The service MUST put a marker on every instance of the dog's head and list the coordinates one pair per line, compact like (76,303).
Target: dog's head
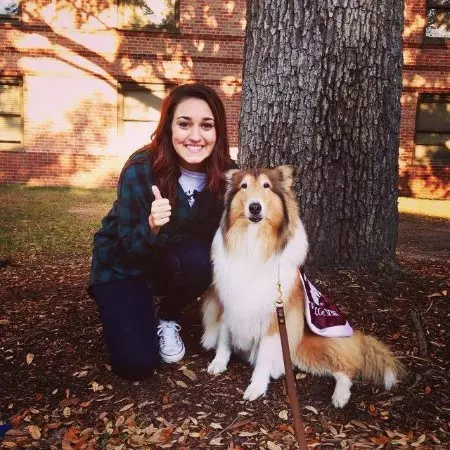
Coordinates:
(260,197)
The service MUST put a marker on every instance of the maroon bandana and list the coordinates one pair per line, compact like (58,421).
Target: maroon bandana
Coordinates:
(322,315)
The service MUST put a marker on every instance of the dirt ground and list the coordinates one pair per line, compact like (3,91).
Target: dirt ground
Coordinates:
(57,389)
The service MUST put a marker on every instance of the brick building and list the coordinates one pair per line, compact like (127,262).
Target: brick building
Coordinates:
(81,83)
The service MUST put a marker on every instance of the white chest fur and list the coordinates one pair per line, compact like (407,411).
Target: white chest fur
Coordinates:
(247,285)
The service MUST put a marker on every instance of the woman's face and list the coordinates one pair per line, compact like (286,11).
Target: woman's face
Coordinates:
(193,133)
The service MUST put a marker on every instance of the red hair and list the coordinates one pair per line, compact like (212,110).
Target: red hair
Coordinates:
(166,162)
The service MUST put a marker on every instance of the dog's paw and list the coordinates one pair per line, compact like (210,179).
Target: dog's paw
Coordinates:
(341,392)
(255,390)
(341,396)
(217,366)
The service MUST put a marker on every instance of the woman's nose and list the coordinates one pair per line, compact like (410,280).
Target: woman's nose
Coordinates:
(195,134)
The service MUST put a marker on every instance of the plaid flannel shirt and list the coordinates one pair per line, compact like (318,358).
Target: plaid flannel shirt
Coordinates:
(124,246)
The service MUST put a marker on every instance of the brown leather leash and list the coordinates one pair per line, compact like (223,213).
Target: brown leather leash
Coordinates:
(289,373)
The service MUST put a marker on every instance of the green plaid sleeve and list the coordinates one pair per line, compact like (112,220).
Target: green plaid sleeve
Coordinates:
(134,199)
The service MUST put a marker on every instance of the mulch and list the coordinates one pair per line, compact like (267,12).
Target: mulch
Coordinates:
(58,391)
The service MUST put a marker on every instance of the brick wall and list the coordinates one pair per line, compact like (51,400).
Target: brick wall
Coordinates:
(72,60)
(426,69)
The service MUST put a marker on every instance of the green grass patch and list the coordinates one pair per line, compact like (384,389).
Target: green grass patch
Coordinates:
(54,221)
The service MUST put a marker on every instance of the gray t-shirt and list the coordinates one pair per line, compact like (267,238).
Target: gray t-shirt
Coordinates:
(191,182)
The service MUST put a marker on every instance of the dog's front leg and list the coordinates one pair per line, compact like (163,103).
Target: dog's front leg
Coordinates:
(269,362)
(223,351)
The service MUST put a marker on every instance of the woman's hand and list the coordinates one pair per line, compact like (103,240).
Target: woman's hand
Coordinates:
(160,211)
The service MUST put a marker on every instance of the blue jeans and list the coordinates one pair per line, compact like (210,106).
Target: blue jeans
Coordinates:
(181,272)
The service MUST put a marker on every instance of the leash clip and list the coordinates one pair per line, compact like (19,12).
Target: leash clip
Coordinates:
(279,302)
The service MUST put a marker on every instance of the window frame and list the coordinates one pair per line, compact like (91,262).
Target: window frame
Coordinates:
(127,86)
(432,4)
(428,98)
(175,27)
(13,145)
(9,17)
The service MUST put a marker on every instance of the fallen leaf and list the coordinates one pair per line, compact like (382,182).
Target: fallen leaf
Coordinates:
(162,436)
(435,294)
(190,374)
(16,420)
(126,407)
(379,440)
(311,408)
(120,421)
(35,431)
(333,430)
(272,446)
(215,425)
(181,384)
(15,433)
(66,412)
(286,428)
(216,441)
(194,420)
(96,387)
(29,358)
(283,414)
(86,404)
(434,438)
(420,439)
(52,426)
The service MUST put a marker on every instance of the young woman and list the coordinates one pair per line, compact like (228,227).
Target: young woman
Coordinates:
(156,238)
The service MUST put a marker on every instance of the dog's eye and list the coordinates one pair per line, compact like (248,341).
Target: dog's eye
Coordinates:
(244,185)
(266,185)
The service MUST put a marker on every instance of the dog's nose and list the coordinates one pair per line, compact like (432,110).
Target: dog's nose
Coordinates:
(254,208)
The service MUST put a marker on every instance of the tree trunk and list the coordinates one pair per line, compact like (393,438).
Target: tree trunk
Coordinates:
(321,91)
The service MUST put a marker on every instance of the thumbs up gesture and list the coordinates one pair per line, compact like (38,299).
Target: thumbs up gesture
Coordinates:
(160,211)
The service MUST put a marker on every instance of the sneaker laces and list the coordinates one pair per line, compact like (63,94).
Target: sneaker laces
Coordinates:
(168,331)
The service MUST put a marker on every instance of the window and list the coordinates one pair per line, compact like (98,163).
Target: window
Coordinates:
(11,124)
(432,142)
(139,111)
(147,14)
(438,19)
(9,9)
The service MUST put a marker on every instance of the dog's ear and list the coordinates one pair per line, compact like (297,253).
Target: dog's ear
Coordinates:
(228,175)
(287,174)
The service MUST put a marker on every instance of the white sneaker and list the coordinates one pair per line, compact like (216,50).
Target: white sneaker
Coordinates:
(171,347)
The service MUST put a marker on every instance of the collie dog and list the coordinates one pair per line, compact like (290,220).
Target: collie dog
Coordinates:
(261,240)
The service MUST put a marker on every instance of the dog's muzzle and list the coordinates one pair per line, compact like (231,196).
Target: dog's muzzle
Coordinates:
(254,210)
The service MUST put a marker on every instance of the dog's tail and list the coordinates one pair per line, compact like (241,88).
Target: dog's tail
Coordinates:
(211,312)
(378,362)
(358,354)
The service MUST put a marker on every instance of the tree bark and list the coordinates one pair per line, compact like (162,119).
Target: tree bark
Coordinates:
(321,91)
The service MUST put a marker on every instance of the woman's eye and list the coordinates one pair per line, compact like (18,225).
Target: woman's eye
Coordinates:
(183,124)
(266,185)
(208,126)
(244,185)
